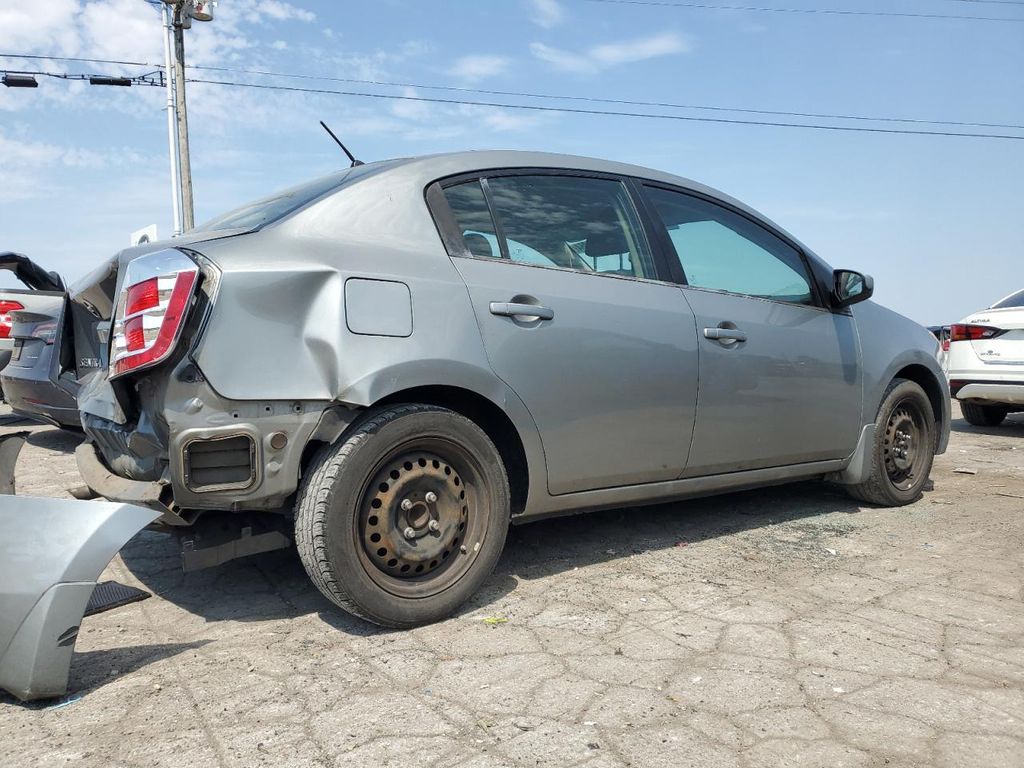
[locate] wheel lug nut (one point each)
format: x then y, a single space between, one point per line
406 504
409 533
434 526
463 549
431 497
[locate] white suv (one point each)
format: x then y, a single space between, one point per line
986 362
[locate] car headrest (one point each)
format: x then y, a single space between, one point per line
478 245
608 241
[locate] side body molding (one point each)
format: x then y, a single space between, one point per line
52 551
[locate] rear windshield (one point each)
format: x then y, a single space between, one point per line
1013 300
277 206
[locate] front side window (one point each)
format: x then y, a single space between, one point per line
579 223
723 251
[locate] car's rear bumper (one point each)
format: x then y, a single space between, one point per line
219 454
1004 392
150 494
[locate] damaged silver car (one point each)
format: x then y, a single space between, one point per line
392 363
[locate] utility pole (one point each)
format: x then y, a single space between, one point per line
172 120
179 15
187 209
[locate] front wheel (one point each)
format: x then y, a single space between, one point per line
903 450
402 520
983 415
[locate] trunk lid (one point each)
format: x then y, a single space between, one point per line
1008 347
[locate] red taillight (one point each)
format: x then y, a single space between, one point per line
143 296
945 345
154 303
6 307
962 332
135 339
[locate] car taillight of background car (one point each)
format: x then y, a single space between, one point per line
961 332
155 297
6 307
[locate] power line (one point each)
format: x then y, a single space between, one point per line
603 112
547 96
140 80
33 56
817 11
992 2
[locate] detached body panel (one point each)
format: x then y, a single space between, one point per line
52 551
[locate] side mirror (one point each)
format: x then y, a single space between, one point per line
849 287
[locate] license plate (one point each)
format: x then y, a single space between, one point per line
16 354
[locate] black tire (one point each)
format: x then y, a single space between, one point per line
904 447
351 518
983 415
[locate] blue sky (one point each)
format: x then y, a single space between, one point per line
939 222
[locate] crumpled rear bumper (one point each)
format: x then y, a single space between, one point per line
100 479
52 552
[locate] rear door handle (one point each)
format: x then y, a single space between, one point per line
725 334
511 309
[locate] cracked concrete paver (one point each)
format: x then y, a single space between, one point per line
786 627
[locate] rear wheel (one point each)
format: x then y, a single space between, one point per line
402 520
983 415
903 450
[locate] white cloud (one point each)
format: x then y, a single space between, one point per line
479 67
407 109
279 45
27 26
280 11
546 13
503 121
607 55
124 30
26 165
564 60
665 44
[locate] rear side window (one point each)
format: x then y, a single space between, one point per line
721 250
473 218
568 222
1013 300
274 208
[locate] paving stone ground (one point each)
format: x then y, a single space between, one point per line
780 627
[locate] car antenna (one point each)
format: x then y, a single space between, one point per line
343 147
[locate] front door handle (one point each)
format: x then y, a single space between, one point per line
512 309
725 335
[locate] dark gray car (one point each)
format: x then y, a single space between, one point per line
38 286
403 357
31 323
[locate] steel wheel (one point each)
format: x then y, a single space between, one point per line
418 528
903 449
403 519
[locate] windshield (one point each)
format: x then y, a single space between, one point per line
1013 300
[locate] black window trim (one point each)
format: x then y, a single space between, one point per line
499 228
675 263
451 236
